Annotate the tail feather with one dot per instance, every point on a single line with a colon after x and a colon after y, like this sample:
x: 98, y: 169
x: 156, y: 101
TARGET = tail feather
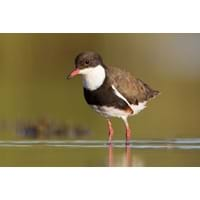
x: 149, y: 92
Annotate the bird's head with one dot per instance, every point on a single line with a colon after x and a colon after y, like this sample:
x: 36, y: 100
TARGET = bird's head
x: 85, y: 63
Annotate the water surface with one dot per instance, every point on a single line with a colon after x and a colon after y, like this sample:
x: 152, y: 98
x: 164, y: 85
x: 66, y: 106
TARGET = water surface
x: 172, y: 152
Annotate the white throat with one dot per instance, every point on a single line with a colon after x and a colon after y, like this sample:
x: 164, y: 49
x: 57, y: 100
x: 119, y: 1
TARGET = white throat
x: 93, y: 77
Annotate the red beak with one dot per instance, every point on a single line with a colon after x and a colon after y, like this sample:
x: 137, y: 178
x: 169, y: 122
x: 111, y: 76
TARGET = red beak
x: 73, y: 73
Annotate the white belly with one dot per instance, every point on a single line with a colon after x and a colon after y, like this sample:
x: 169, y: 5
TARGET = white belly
x: 114, y: 112
x: 139, y: 107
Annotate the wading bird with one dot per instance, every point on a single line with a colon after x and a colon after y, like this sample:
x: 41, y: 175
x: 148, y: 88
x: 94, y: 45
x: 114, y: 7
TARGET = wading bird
x: 112, y: 92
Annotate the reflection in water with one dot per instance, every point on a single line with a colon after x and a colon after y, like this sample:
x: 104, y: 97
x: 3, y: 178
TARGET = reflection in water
x: 110, y: 155
x: 127, y: 155
x: 116, y: 154
x: 176, y: 143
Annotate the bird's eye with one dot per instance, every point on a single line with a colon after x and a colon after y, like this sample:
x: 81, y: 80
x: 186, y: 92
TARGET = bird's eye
x: 87, y: 62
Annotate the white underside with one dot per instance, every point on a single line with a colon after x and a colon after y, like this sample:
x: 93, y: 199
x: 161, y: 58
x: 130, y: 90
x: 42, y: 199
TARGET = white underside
x: 139, y: 107
x: 114, y: 112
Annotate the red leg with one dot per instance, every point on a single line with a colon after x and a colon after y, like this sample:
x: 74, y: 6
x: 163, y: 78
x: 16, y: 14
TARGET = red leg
x: 110, y: 131
x: 128, y: 130
x: 128, y: 133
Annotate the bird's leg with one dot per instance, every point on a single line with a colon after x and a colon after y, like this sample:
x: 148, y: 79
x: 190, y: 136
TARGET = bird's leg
x: 128, y: 134
x: 110, y: 131
x: 128, y: 130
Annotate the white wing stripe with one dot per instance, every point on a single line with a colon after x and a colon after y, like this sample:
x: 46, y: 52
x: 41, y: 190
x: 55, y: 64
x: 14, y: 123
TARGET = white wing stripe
x: 122, y: 97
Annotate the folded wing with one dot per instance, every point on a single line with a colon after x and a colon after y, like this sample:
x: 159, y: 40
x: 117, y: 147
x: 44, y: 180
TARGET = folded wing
x: 133, y: 89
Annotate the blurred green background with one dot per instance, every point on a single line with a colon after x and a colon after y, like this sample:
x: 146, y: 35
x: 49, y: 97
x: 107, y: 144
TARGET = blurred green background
x: 32, y: 83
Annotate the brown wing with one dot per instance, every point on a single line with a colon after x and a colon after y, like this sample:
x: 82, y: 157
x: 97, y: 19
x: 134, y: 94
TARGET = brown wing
x: 133, y: 89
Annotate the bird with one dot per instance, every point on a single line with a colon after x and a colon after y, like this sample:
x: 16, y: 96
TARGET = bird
x: 111, y: 91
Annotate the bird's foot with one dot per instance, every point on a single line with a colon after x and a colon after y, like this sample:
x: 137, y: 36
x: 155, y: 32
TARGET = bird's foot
x: 110, y: 138
x: 127, y: 142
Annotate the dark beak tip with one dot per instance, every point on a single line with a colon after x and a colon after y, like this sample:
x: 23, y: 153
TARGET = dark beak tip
x: 67, y: 77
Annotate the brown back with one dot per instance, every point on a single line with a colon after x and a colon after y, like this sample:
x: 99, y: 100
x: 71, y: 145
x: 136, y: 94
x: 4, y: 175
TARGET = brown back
x: 133, y: 89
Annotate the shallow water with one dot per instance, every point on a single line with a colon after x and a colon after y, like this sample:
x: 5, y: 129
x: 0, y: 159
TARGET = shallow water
x: 172, y: 152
